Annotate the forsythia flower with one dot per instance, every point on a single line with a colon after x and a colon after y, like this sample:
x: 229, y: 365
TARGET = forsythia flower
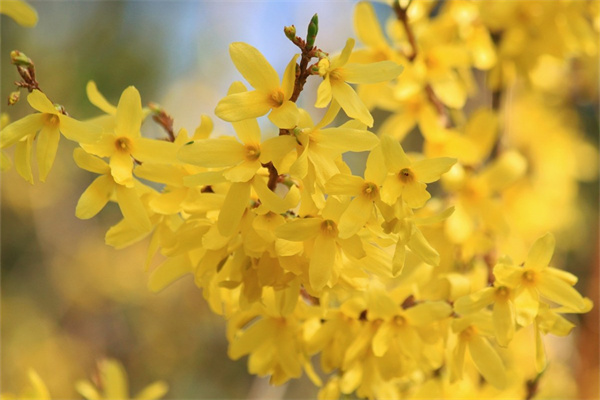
x: 269, y: 95
x: 336, y: 72
x: 49, y: 122
x: 20, y: 11
x: 125, y: 144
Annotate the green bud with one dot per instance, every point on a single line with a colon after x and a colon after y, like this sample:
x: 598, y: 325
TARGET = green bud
x: 156, y: 109
x: 290, y: 32
x: 313, y: 29
x: 18, y: 58
x: 13, y: 98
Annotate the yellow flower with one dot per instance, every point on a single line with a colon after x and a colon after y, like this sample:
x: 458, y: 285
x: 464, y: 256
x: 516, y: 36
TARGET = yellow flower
x: 471, y: 331
x: 126, y: 144
x: 270, y: 95
x: 322, y: 232
x: 20, y: 11
x: 336, y: 72
x: 409, y: 178
x: 113, y: 384
x: 104, y: 188
x: 45, y: 127
x: 536, y: 279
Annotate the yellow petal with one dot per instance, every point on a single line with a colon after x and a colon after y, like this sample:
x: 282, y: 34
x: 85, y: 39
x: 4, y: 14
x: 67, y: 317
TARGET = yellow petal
x: 213, y: 153
x: 40, y: 391
x: 393, y: 154
x: 233, y: 209
x: 129, y: 113
x: 322, y: 261
x: 132, y: 208
x: 475, y: 301
x: 371, y: 73
x: 286, y: 116
x: 367, y: 26
x: 450, y: 91
x: 487, y: 361
x: 155, y: 151
x: 87, y: 390
x: 558, y: 291
x: 289, y: 78
x: 382, y: 339
x: 20, y: 11
x: 421, y: 247
x: 82, y: 132
x: 23, y: 158
x: 430, y: 170
x: 342, y: 139
x: 89, y: 162
x: 276, y: 150
x: 299, y: 229
x: 250, y: 339
x: 541, y: 251
x: 241, y: 106
x: 350, y: 102
x: 428, y: 312
x: 124, y: 234
x: 14, y: 132
x: 253, y: 66
x: 152, y: 392
x: 343, y: 57
x: 204, y: 179
x: 504, y: 322
x: 97, y: 99
x: 324, y: 93
x: 121, y: 166
x: 172, y: 269
x: 355, y: 217
x: 344, y: 184
x: 47, y: 146
x: 114, y: 379
x: 40, y: 102
x: 248, y: 131
x: 540, y: 352
x: 242, y: 172
x: 505, y: 170
x: 415, y: 194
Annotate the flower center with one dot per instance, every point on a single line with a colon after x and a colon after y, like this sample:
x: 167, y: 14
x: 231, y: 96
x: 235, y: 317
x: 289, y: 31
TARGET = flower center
x: 51, y: 120
x: 123, y: 145
x: 370, y: 190
x: 406, y: 175
x: 329, y: 228
x: 468, y: 333
x: 252, y: 152
x: 529, y: 277
x: 277, y: 98
x: 399, y: 320
x: 502, y: 293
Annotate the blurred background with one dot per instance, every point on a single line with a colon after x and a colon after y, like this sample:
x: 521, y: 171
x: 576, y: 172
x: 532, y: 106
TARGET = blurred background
x: 68, y: 299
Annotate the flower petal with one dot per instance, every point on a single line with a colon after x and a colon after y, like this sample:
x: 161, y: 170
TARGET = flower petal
x: 559, y: 291
x: 541, y: 251
x: 430, y: 170
x: 213, y: 153
x: 344, y: 139
x: 253, y: 66
x: 14, y: 132
x: 324, y: 93
x: 344, y: 184
x: 129, y: 113
x: 233, y: 209
x: 367, y: 26
x: 121, y: 168
x: 350, y: 102
x: 240, y: 106
x: 95, y: 197
x: 47, y: 145
x: 371, y: 73
x: 40, y: 102
x: 504, y: 322
x: 321, y: 261
x: 97, y: 99
x: 23, y: 158
x: 299, y: 229
x: 487, y: 361
x: 22, y: 13
x: 289, y: 78
x: 77, y: 131
x: 154, y: 151
x: 286, y: 116
x: 355, y: 217
x: 132, y: 208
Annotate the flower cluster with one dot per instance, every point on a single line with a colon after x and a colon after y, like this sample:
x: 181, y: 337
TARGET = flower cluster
x: 391, y: 275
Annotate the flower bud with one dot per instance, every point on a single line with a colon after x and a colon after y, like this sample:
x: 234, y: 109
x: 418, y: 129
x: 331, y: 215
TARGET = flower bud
x: 20, y: 59
x: 13, y: 98
x: 290, y: 32
x: 313, y: 29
